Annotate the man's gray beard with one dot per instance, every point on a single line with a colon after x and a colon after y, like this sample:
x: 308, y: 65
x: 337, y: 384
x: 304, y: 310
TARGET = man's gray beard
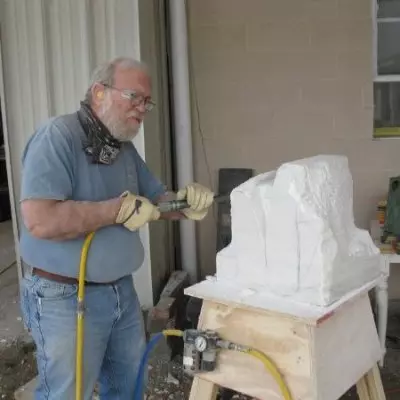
x: 117, y: 128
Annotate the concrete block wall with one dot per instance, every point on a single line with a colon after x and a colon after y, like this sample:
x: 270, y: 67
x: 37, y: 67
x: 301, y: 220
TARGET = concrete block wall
x: 277, y: 80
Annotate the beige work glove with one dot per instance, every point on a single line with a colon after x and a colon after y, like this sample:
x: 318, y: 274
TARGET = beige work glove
x: 136, y: 211
x: 199, y: 199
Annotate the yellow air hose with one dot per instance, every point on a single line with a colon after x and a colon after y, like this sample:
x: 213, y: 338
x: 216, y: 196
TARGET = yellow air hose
x: 273, y: 370
x: 172, y: 332
x: 80, y: 317
x: 268, y: 364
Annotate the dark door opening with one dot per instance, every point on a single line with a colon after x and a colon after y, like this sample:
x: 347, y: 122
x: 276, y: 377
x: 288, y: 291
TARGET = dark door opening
x: 5, y: 206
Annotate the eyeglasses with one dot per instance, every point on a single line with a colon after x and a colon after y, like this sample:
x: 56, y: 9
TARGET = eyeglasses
x: 135, y: 98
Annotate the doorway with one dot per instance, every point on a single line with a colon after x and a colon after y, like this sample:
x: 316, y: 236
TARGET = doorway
x: 11, y: 326
x: 7, y: 246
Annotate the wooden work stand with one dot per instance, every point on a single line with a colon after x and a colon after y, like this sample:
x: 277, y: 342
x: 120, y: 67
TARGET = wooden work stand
x: 321, y: 352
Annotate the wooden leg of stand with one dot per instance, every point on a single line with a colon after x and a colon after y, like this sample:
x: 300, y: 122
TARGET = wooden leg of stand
x: 375, y: 384
x: 203, y: 390
x: 362, y: 389
x: 370, y: 386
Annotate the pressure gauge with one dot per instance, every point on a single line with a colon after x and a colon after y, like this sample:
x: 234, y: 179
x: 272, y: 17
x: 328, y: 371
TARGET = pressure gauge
x: 200, y: 343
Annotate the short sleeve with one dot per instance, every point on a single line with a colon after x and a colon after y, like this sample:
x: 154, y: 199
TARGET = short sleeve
x: 149, y: 186
x: 47, y: 165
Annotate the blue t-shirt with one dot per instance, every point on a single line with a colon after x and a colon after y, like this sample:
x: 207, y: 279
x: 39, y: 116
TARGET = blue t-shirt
x: 56, y: 167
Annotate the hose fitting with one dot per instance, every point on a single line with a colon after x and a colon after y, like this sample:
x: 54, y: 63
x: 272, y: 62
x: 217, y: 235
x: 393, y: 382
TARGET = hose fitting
x: 227, y: 345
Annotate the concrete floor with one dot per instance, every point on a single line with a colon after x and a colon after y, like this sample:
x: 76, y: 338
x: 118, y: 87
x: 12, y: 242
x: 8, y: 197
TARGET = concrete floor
x: 11, y: 326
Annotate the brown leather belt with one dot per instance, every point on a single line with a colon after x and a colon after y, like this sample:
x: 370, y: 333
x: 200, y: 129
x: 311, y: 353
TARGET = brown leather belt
x: 64, y: 279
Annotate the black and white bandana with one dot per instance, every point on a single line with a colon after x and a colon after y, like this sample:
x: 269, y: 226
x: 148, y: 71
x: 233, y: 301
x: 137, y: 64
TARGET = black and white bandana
x: 100, y: 145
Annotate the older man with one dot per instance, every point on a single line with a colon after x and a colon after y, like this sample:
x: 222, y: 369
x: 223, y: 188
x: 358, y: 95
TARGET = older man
x: 81, y: 173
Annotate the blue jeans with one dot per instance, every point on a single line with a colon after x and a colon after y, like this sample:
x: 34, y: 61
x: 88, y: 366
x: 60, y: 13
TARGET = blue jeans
x: 113, y: 344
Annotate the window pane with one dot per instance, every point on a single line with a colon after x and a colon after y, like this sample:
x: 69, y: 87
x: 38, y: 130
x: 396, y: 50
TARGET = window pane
x: 387, y: 104
x: 388, y: 48
x: 388, y: 8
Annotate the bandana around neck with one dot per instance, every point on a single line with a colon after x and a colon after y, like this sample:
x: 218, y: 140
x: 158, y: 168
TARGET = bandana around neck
x: 99, y: 144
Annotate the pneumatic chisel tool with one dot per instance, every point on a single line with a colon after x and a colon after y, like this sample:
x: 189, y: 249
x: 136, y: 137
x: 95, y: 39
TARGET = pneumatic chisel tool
x: 176, y: 205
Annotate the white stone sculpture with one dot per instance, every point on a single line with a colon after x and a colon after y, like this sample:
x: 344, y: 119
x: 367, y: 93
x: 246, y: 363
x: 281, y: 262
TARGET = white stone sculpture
x: 293, y: 234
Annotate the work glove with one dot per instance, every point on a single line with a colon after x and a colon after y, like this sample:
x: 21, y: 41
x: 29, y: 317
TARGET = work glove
x: 136, y: 211
x: 199, y: 199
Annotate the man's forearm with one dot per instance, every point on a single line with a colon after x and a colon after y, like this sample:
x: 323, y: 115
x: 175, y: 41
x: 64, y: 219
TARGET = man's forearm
x: 64, y: 220
x: 84, y: 217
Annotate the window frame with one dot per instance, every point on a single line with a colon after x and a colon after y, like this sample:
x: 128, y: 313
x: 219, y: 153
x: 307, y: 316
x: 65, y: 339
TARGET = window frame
x: 384, y: 132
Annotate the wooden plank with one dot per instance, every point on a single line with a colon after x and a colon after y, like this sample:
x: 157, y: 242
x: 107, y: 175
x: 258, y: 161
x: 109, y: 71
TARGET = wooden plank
x: 162, y: 312
x: 158, y: 316
x: 176, y: 282
x: 203, y: 390
x: 346, y: 348
x: 285, y: 341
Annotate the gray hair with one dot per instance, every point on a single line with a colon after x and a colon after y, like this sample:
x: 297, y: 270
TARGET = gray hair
x: 104, y: 73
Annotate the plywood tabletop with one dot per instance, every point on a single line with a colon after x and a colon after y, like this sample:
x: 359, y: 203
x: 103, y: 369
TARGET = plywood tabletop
x: 221, y: 292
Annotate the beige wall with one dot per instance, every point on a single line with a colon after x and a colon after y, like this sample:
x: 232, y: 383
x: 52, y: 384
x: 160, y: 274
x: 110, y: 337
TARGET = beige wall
x: 281, y: 80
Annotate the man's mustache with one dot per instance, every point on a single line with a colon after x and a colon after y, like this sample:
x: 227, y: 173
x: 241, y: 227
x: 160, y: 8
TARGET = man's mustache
x: 134, y: 115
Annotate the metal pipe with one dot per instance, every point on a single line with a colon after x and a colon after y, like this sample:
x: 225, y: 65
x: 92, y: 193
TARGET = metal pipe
x: 183, y: 126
